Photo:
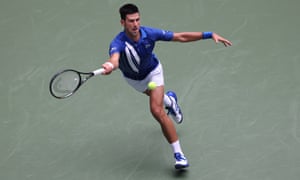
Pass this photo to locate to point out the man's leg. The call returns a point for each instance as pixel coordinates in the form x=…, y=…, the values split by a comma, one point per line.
x=156, y=97
x=157, y=109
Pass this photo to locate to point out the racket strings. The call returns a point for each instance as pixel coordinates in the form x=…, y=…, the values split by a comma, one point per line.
x=65, y=84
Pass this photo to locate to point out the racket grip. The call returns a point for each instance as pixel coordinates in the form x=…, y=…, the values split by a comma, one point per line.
x=98, y=71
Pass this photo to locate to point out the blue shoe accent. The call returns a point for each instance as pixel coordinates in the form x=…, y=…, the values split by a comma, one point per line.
x=180, y=161
x=174, y=109
x=172, y=94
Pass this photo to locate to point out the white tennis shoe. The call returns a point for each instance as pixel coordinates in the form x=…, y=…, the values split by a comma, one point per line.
x=180, y=161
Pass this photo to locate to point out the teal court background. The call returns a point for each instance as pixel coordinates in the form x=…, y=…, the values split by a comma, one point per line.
x=241, y=104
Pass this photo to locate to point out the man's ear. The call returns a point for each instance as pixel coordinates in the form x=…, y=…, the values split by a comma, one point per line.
x=122, y=22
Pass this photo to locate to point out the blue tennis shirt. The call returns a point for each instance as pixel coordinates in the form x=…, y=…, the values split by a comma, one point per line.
x=137, y=59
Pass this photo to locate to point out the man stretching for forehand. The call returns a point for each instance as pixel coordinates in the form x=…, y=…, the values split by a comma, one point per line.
x=132, y=52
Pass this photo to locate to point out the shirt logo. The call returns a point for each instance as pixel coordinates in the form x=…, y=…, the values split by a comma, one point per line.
x=113, y=49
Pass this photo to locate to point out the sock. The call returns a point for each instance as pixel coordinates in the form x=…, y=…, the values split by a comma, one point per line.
x=167, y=101
x=176, y=147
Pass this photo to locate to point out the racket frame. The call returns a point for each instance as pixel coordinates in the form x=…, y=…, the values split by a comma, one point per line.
x=83, y=77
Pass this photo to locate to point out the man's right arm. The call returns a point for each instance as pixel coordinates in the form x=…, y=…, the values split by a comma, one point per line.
x=111, y=64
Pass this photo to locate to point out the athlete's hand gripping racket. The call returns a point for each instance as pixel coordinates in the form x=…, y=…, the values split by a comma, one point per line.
x=65, y=83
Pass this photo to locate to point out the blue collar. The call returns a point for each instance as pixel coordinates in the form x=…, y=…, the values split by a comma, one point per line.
x=143, y=33
x=143, y=36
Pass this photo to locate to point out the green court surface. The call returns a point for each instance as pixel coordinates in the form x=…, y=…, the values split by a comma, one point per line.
x=241, y=104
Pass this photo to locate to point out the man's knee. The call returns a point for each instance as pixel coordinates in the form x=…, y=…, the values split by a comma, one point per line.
x=157, y=112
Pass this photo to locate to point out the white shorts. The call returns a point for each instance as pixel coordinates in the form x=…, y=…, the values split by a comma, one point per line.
x=156, y=76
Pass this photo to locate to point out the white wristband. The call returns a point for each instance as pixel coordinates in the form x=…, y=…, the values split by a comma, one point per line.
x=110, y=64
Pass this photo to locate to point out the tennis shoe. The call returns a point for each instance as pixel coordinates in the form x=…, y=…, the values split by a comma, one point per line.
x=174, y=109
x=180, y=161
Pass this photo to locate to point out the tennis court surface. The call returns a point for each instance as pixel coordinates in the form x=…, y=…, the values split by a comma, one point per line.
x=241, y=104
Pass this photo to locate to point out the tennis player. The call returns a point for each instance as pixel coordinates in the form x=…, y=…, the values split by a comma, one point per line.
x=132, y=52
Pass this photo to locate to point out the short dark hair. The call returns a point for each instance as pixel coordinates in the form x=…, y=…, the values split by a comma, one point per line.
x=128, y=9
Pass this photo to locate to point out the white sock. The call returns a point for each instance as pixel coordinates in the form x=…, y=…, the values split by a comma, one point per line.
x=167, y=101
x=176, y=147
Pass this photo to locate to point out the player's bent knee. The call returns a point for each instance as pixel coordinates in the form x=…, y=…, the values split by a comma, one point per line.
x=157, y=112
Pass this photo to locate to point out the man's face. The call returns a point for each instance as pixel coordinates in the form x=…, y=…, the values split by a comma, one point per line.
x=132, y=25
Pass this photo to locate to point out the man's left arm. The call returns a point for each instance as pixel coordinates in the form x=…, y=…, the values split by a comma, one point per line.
x=195, y=36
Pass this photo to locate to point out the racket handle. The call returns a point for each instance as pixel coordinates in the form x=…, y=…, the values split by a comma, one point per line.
x=98, y=71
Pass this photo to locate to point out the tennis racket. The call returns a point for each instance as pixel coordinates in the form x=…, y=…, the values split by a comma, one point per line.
x=65, y=83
